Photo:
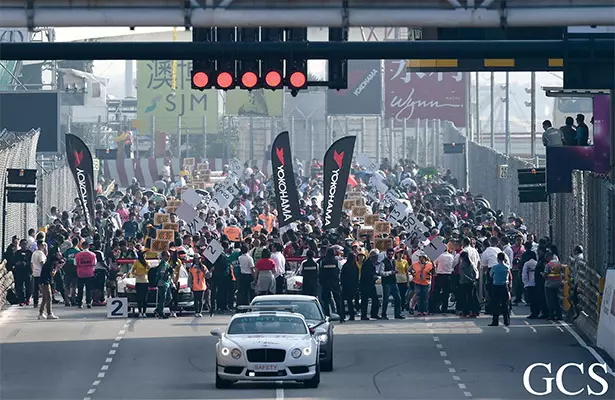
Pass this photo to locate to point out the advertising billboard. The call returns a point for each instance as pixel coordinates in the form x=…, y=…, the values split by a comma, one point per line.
x=257, y=103
x=417, y=95
x=182, y=108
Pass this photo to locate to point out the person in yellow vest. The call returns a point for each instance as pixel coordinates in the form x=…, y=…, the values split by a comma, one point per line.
x=401, y=277
x=553, y=283
x=197, y=282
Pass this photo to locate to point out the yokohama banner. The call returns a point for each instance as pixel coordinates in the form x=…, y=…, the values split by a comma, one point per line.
x=364, y=93
x=287, y=200
x=338, y=160
x=423, y=95
x=80, y=162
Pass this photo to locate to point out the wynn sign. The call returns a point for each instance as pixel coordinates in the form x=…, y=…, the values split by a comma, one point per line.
x=416, y=95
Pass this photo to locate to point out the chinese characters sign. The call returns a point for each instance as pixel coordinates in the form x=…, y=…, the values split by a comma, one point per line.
x=431, y=95
x=161, y=109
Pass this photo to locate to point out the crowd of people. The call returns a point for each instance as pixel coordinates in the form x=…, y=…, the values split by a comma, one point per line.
x=567, y=135
x=488, y=256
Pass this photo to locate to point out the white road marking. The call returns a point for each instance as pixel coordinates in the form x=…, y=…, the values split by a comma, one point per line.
x=104, y=368
x=111, y=352
x=116, y=345
x=507, y=329
x=467, y=394
x=108, y=360
x=436, y=339
x=279, y=392
x=461, y=386
x=101, y=375
x=122, y=332
x=452, y=370
x=87, y=398
x=530, y=326
x=447, y=362
x=91, y=391
x=456, y=378
x=95, y=383
x=439, y=346
x=117, y=339
x=443, y=353
x=593, y=352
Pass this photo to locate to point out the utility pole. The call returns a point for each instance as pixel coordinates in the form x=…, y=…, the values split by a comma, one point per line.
x=533, y=113
x=507, y=115
x=492, y=110
x=477, y=125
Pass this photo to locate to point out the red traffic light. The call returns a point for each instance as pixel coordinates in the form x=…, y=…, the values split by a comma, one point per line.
x=225, y=80
x=249, y=80
x=297, y=79
x=273, y=79
x=200, y=79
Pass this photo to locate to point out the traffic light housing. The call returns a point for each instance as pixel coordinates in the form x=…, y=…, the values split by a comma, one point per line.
x=296, y=68
x=272, y=70
x=532, y=176
x=226, y=69
x=203, y=71
x=248, y=71
x=338, y=68
x=453, y=148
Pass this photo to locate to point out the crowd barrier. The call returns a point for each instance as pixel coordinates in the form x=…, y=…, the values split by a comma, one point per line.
x=6, y=282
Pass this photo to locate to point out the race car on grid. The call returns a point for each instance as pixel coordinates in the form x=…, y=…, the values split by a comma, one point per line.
x=267, y=346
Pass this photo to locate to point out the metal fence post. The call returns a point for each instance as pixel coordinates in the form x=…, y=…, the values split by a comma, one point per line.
x=404, y=137
x=417, y=141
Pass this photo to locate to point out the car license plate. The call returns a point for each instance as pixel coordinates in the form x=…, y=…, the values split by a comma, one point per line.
x=266, y=367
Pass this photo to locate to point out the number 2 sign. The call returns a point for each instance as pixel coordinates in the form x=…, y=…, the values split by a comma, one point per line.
x=117, y=307
x=213, y=251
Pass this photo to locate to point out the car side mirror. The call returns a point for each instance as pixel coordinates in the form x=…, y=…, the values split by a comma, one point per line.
x=312, y=331
x=335, y=317
x=216, y=332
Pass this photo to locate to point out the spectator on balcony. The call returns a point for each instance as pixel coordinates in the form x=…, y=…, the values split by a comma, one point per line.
x=582, y=131
x=569, y=133
x=551, y=137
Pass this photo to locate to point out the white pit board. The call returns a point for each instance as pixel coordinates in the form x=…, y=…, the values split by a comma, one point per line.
x=117, y=307
x=186, y=212
x=213, y=251
x=435, y=248
x=191, y=197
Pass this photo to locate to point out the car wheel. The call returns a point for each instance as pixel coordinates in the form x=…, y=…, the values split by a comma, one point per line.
x=327, y=366
x=222, y=383
x=315, y=380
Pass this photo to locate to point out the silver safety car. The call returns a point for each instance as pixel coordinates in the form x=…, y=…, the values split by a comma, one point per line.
x=267, y=346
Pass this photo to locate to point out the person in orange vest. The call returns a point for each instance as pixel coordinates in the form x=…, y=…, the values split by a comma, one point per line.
x=197, y=283
x=421, y=277
x=233, y=232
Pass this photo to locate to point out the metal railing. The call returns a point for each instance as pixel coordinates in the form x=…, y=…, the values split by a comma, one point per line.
x=56, y=188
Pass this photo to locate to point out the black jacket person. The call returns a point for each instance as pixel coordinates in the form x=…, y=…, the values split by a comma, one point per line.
x=329, y=276
x=367, y=285
x=309, y=271
x=350, y=283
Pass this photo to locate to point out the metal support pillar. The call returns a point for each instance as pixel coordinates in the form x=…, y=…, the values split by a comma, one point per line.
x=507, y=116
x=404, y=138
x=417, y=137
x=378, y=139
x=424, y=149
x=533, y=114
x=362, y=142
x=477, y=135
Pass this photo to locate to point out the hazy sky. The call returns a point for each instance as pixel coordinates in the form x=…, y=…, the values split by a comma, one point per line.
x=115, y=69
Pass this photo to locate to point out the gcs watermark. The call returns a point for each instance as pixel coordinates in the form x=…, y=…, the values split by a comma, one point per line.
x=559, y=379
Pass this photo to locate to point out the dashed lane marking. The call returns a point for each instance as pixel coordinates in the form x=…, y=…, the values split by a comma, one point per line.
x=451, y=370
x=105, y=367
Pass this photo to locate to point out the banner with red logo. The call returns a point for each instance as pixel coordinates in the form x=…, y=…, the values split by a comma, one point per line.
x=81, y=164
x=423, y=95
x=336, y=169
x=364, y=93
x=286, y=196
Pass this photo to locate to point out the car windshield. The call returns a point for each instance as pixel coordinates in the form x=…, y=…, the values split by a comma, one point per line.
x=308, y=308
x=271, y=324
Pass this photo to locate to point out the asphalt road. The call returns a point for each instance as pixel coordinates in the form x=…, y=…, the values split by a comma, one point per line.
x=84, y=355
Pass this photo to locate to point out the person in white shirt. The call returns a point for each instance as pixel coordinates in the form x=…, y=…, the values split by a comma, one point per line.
x=488, y=259
x=39, y=257
x=529, y=282
x=246, y=267
x=442, y=290
x=552, y=137
x=280, y=267
x=507, y=249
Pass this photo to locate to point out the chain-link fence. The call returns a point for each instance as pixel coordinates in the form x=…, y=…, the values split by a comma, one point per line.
x=56, y=188
x=17, y=150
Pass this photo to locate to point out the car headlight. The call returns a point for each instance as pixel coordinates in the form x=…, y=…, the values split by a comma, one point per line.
x=236, y=354
x=307, y=351
x=323, y=338
x=225, y=351
x=296, y=353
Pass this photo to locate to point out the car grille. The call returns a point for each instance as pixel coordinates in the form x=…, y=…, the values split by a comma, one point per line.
x=266, y=355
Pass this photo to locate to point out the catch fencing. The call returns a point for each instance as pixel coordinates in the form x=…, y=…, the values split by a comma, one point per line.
x=586, y=217
x=17, y=151
x=56, y=188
